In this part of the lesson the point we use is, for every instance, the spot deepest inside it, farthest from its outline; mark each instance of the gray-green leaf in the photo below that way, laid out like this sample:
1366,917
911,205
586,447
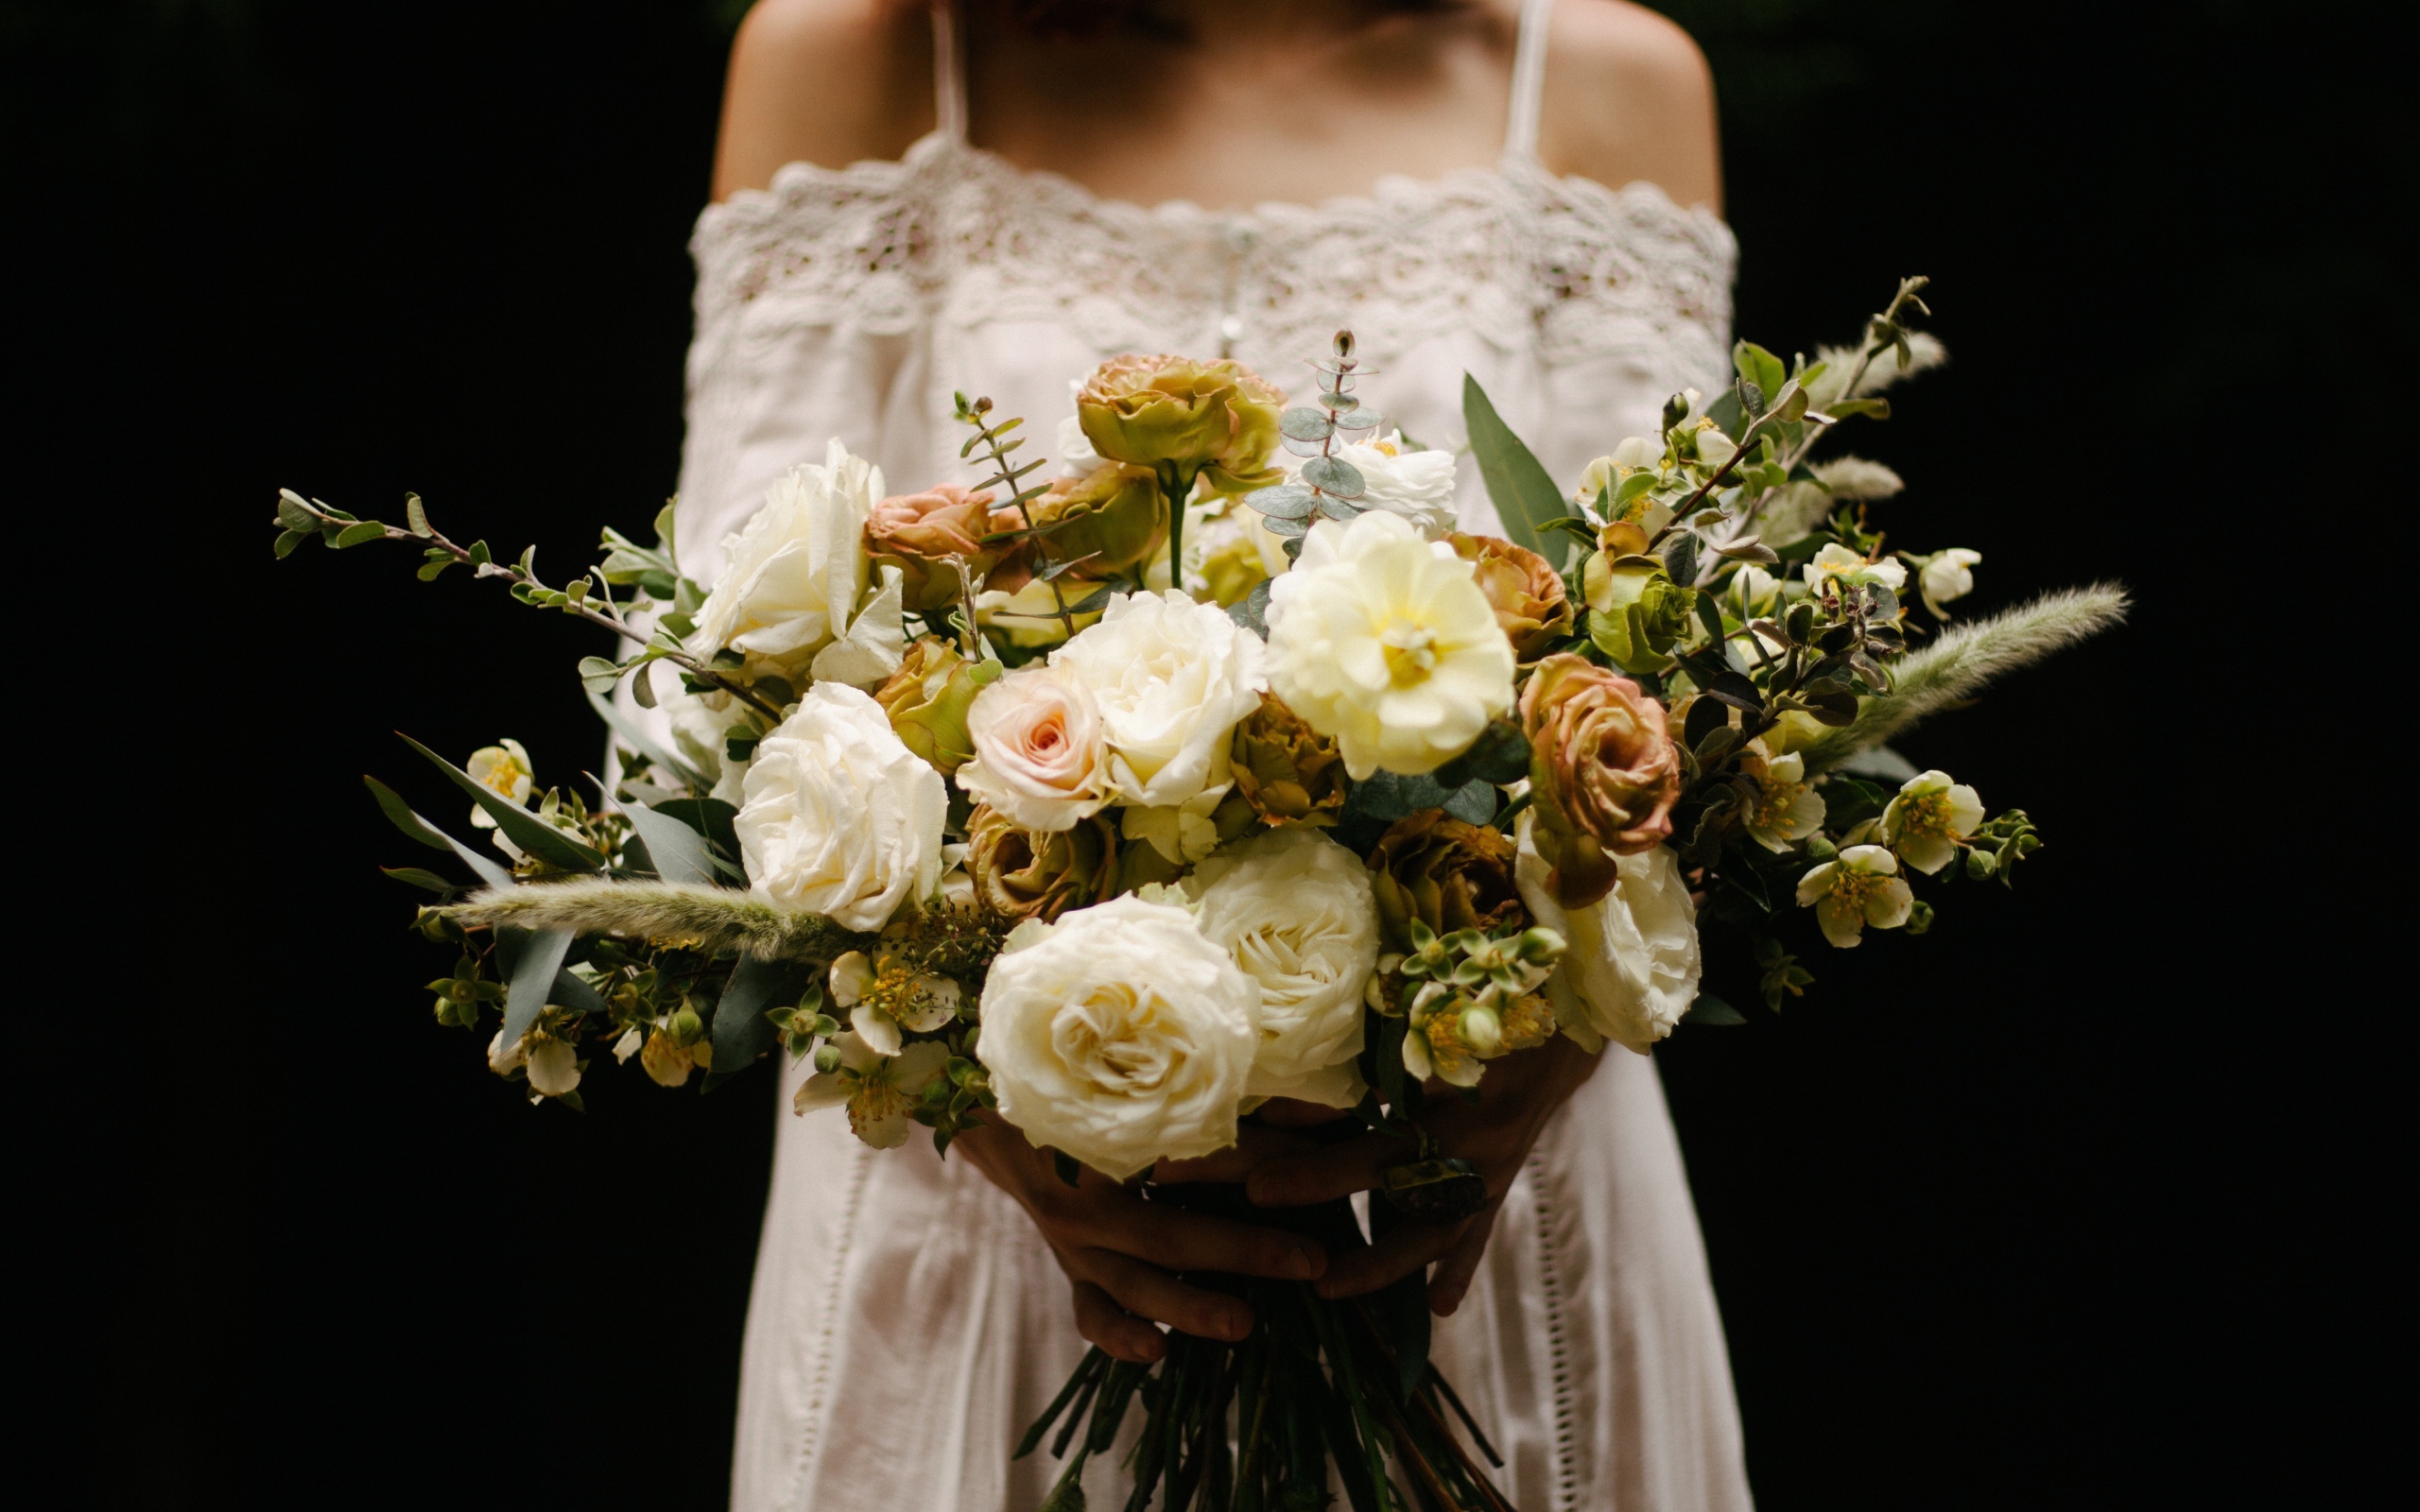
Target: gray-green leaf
1518,483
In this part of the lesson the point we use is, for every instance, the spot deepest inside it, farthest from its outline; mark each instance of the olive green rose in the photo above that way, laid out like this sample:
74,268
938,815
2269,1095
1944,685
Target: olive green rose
926,701
1110,521
1445,872
1182,418
1022,874
1636,613
1288,772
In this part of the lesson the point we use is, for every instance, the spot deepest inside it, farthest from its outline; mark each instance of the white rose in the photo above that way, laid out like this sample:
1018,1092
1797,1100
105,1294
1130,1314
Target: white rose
1382,641
1171,677
839,816
1296,912
1039,756
787,600
1413,486
1119,1035
1631,967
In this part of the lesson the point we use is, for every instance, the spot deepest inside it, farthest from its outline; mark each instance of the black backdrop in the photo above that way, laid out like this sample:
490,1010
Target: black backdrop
2057,1208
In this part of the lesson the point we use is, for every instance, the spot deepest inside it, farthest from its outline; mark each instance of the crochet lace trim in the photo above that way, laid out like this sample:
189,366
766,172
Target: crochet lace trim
953,233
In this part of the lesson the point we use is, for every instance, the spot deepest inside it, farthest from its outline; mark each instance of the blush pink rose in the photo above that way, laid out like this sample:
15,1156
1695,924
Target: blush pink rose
1040,757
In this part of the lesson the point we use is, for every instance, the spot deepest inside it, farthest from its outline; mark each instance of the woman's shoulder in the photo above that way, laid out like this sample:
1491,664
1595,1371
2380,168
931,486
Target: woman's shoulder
829,82
1629,97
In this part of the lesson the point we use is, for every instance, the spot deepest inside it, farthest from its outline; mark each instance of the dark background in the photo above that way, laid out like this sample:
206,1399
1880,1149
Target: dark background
2062,1206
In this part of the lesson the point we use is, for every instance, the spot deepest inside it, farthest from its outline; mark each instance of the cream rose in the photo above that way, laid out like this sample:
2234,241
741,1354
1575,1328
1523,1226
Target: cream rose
789,598
1296,912
1171,677
838,816
1385,643
1417,486
1631,968
1119,1035
1039,757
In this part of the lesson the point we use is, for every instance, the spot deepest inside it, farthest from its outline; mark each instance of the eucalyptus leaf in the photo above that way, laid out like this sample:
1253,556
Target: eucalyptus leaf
1251,610
419,877
711,817
1524,493
354,535
677,851
520,826
1334,474
741,1031
599,674
1290,500
1306,424
536,961
401,815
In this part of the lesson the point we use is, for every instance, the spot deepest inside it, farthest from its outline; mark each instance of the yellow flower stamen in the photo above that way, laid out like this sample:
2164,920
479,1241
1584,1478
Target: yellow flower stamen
1928,813
1851,889
1407,650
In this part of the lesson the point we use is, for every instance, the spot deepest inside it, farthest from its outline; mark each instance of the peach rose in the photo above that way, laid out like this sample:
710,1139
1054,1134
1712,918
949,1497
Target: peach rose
933,538
1040,755
1605,771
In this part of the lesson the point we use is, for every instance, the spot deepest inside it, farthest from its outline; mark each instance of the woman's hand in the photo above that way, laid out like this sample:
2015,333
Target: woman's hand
1120,1251
1517,1095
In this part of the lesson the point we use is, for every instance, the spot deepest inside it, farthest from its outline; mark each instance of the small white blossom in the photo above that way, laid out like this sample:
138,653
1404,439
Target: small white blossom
1837,563
503,769
1950,575
1787,809
880,1091
883,1000
1861,888
1929,818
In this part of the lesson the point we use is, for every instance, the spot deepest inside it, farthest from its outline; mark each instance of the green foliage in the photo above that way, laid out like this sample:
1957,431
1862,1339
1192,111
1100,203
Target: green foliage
1525,495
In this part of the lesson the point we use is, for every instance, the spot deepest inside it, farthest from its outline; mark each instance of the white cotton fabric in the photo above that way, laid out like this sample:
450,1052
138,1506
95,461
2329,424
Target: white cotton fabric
908,1321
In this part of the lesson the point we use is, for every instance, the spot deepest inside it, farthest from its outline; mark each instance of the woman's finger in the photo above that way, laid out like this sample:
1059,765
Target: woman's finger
1451,1280
1404,1249
1338,1170
1124,1336
1174,1239
1254,1146
1153,1292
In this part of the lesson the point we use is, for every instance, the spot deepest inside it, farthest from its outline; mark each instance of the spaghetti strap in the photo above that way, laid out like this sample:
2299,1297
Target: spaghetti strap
949,72
1529,81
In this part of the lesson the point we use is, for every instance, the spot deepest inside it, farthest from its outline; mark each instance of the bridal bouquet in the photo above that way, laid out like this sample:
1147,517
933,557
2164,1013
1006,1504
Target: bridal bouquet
1222,766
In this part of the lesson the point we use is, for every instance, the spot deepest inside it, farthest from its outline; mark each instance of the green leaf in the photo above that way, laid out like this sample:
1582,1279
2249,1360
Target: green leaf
400,814
1524,494
294,514
677,851
1334,475
1709,1009
1871,408
520,826
741,1031
630,735
711,817
416,516
1251,610
289,540
1500,755
599,674
1759,367
354,535
478,552
419,877
536,960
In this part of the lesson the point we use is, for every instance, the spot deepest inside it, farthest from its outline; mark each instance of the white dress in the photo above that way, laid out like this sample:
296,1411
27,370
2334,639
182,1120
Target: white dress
908,1321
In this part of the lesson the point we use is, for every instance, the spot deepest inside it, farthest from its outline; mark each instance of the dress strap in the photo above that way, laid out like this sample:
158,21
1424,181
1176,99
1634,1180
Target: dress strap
949,71
1529,81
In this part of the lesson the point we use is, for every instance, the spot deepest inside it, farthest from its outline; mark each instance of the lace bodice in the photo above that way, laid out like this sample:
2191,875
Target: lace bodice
853,301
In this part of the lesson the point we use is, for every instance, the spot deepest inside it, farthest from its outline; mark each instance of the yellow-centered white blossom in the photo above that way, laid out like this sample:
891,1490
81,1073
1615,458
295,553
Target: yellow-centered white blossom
879,1090
1860,887
1382,641
1786,809
1837,563
883,998
503,769
1950,575
1929,818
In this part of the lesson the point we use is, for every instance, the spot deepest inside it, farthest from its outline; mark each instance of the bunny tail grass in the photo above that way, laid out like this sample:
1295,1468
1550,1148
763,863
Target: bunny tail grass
715,918
1962,660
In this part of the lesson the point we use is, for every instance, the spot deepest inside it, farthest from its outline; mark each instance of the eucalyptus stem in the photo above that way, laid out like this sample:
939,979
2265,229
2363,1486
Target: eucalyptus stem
1006,476
520,577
